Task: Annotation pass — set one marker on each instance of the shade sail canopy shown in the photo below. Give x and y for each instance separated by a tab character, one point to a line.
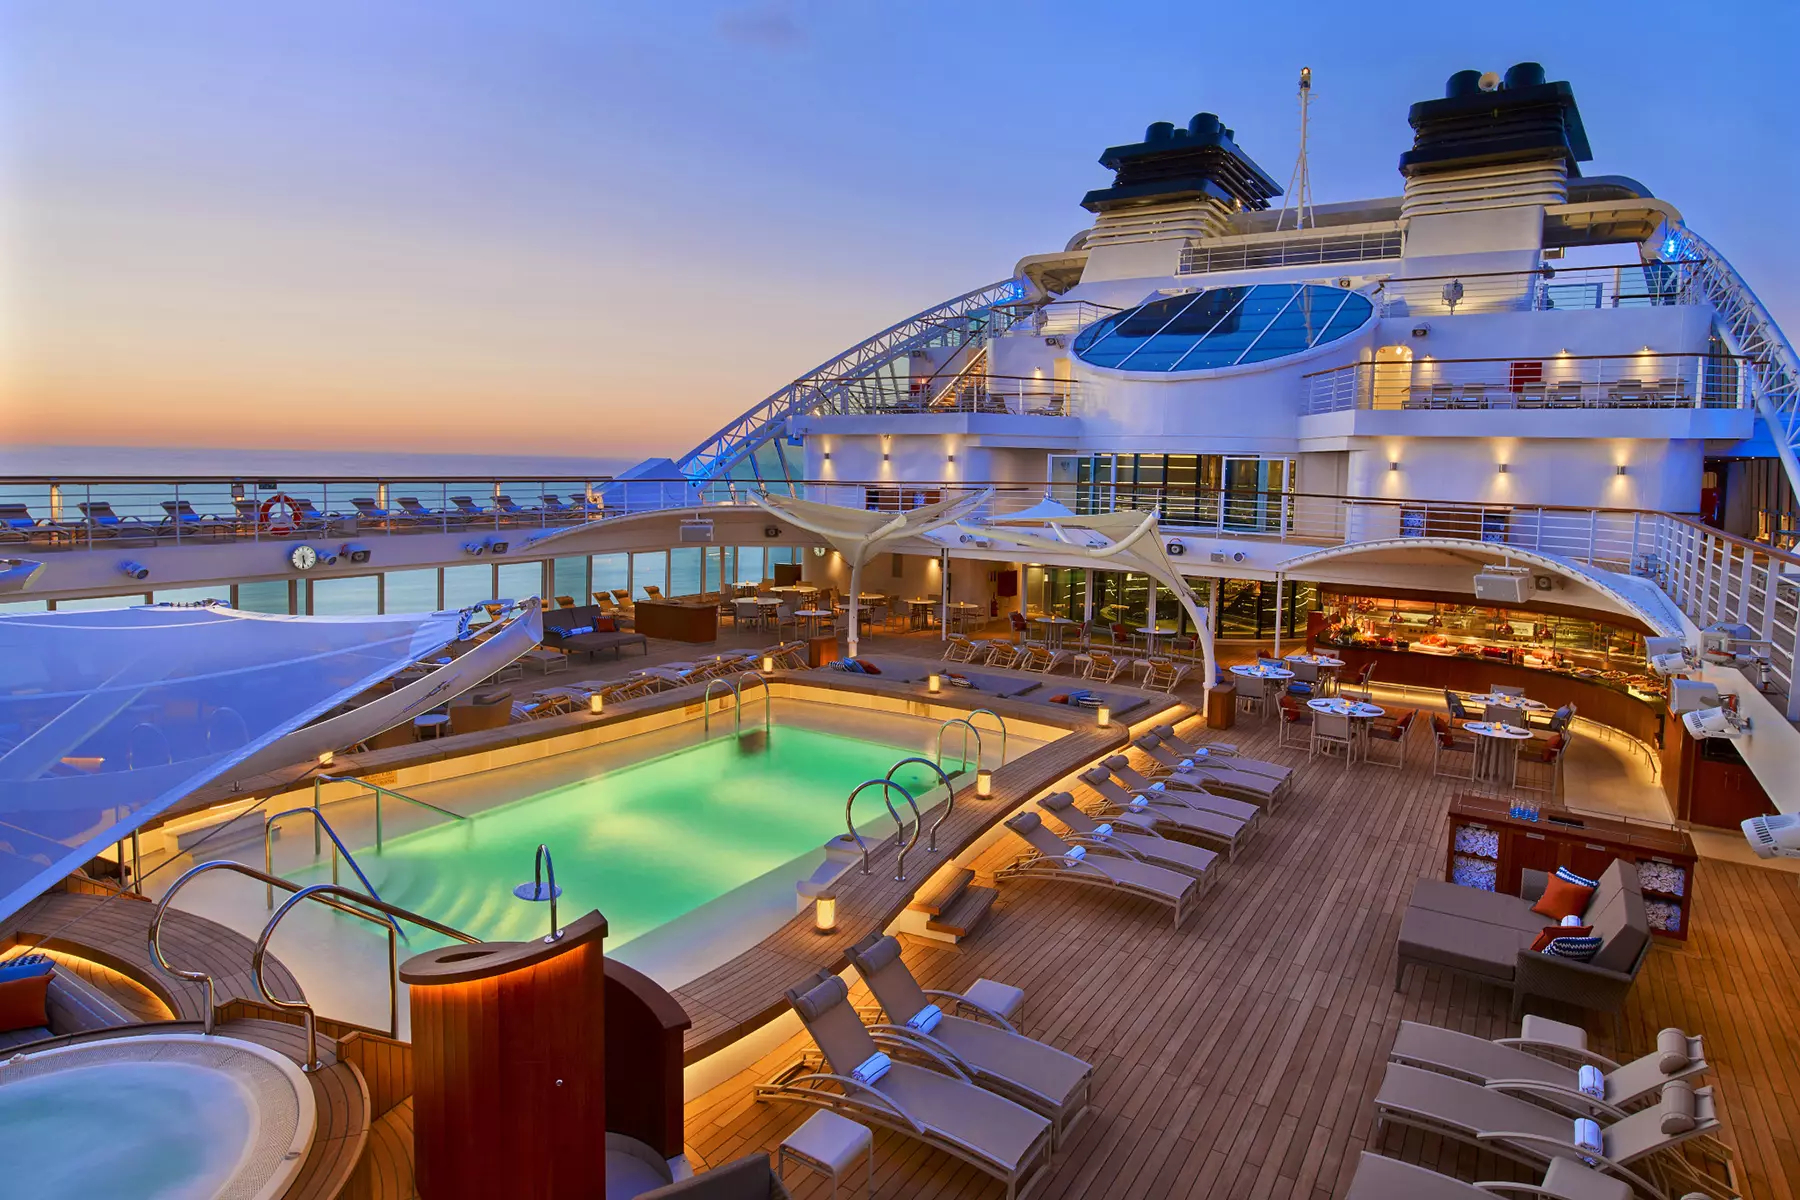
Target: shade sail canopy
109	718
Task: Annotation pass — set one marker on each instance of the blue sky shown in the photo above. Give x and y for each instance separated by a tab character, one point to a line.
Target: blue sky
602	228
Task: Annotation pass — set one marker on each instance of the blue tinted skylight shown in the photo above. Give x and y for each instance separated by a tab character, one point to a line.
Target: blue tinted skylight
1223	327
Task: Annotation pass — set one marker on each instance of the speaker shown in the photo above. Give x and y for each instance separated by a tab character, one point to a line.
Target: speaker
1500	589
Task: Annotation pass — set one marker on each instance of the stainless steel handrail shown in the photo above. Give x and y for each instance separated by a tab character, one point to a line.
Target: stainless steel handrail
949	802
338	847
768	696
736	684
319	780
899	825
968	728
325	893
1001	721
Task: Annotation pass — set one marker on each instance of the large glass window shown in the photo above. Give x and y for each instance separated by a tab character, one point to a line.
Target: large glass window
411	591
569	578
92	603
521	579
1184	490
1223	327
466	586
354	596
750	567
266	596
612	572
652	568
192	595
684	571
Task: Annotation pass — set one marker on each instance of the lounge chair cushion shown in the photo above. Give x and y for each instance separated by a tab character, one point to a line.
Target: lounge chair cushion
1473	904
1672	1046
1490	951
1379	1178
820	997
1623	927
25	966
1562	898
1552	932
22	1002
1677	1107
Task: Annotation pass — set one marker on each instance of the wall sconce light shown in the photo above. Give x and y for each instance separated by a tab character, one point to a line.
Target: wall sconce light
984	783
828	456
951	458
825	912
596	703
1103	717
934	684
1621	469
1393	465
325	759
768	663
1504	468
884	456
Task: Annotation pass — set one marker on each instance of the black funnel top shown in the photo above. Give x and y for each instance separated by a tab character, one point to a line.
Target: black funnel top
1176	164
1524	119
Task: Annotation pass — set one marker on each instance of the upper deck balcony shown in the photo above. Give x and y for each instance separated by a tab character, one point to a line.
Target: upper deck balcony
1547	289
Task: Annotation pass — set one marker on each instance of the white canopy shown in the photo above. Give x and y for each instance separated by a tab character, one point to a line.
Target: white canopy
1125	540
859	534
108	718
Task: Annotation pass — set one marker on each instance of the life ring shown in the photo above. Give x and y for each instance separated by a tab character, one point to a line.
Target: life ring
279	527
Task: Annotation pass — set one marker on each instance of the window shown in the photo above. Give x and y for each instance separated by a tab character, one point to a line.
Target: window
611	572
518	580
466	586
750	567
651	567
410	591
569	578
266	596
684	571
356	596
1223	327
192	595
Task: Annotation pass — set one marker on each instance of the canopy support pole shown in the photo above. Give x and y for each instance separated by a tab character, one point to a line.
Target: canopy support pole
856	566
1279	582
943	595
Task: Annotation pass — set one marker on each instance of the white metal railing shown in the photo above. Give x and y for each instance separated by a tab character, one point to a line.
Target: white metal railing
1290	250
1058	318
1643	285
1636	381
970	392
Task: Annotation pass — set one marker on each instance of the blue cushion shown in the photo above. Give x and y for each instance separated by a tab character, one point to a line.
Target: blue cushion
1581	949
1569	876
26	966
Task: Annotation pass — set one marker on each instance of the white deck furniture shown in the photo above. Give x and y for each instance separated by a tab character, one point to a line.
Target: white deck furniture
829	1144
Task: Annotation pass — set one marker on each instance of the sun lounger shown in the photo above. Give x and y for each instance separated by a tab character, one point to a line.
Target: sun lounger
1041	1077
1174	812
16	521
1171	758
1489	1062
103	521
1494	1119
1147	845
1204	773
449	518
1118	789
938	1105
1053	858
1216	751
1379	1178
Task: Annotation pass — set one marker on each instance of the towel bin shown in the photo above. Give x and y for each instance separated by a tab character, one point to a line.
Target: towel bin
1221	706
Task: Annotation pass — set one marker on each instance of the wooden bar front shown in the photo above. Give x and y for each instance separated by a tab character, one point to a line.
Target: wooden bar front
1483	831
1609	706
509	1066
677	620
1707	781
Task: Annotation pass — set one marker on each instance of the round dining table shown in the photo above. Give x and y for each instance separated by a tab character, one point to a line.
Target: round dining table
1317	660
1485	698
813	618
1497	753
1053	633
1273	681
1361	713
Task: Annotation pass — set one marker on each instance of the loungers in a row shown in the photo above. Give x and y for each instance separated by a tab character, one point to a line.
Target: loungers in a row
1160	674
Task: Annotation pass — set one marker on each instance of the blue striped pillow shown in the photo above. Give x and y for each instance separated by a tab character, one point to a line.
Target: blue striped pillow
1580	949
1571	877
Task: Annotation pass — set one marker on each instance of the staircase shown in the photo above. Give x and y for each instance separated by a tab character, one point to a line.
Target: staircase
953	909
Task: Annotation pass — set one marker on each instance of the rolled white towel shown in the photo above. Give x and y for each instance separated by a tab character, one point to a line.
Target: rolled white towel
871	1069
926	1019
1571	919
1591	1082
1587	1140
1074	854
1103	830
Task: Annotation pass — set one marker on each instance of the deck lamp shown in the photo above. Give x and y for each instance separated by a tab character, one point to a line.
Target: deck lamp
326	758
934	683
825	912
1621	469
768	663
1504	468
1103	716
596	703
984	783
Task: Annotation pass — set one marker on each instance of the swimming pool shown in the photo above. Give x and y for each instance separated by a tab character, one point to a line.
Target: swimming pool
650	841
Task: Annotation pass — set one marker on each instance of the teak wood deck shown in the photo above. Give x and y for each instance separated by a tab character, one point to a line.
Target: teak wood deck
1239	1056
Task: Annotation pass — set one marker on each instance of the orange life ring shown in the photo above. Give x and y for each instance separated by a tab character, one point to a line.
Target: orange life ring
265	517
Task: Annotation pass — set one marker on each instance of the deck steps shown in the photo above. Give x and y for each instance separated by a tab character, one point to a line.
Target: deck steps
954	907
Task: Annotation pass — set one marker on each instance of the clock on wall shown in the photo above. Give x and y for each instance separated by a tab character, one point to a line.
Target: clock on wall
304	558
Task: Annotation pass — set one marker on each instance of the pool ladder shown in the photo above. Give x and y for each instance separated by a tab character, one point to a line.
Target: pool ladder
345	900
888	784
737	689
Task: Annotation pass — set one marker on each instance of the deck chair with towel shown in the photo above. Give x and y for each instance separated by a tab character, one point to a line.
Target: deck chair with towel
1167	813
1621	1085
1379	1178
1039	1076
1052	858
862	1078
1145	844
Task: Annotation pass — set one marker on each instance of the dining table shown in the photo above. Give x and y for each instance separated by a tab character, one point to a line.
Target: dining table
919	610
813	617
1053	629
1271	679
1496	752
1362	717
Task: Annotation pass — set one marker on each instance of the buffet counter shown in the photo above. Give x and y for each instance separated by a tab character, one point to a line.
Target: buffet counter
1594	700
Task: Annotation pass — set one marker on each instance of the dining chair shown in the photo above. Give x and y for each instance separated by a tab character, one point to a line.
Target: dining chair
1331	733
1296	723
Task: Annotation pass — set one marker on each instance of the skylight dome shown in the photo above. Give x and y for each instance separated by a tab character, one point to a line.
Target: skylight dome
1223	327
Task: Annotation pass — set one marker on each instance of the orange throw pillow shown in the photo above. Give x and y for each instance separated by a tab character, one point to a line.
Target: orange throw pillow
22	1003
1555	931
1562	899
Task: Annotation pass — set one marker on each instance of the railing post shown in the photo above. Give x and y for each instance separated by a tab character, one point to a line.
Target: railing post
1593	532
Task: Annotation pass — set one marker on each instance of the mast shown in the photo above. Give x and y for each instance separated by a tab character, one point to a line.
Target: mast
1299	190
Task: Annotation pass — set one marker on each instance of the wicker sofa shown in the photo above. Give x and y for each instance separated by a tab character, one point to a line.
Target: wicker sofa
556	622
1488	936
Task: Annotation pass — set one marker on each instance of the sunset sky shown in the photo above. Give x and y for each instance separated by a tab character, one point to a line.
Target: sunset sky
598	228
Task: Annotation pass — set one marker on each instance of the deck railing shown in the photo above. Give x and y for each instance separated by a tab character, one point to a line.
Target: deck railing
1562	382
968	392
1643	285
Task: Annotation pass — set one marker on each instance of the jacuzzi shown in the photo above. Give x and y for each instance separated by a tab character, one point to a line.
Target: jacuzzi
177	1116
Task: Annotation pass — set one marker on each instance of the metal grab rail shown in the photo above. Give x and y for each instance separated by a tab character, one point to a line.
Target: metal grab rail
338	847
327	894
319	780
737	689
999	720
968	728
949	802
899	825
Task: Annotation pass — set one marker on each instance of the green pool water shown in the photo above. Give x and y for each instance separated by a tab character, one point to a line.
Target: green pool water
644	843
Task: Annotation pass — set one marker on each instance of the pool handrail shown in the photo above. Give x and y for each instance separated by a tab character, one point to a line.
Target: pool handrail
319	780
754	676
949	802
900	839
968	728
976	712
736	684
325	893
338	847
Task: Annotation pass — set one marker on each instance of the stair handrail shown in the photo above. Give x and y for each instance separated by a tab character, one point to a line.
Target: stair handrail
338	847
949	802
755	677
899	825
706	706
1000	720
320	780
968	728
344	900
